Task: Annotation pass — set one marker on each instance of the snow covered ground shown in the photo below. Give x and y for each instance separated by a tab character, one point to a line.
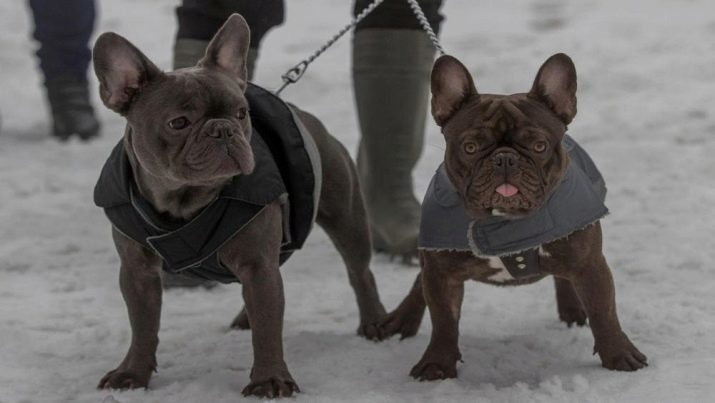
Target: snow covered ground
646	94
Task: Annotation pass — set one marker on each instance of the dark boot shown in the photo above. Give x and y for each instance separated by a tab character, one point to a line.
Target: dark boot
391	69
72	111
187	52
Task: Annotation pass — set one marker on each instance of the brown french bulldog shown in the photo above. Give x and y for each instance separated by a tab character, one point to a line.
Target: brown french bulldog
188	137
507	161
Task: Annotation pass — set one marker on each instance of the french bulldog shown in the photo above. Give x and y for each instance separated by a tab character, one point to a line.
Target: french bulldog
506	162
188	136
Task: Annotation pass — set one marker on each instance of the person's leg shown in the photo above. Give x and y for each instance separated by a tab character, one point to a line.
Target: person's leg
63	29
198	21
392	60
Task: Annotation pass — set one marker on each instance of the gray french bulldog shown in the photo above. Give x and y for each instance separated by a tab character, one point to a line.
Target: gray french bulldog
189	138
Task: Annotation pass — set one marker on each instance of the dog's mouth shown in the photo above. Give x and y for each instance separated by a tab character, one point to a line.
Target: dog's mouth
507	189
241	153
220	159
506	199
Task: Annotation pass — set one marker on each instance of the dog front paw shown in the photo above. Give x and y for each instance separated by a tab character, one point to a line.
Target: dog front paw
271	384
434	366
621	356
404	322
122	378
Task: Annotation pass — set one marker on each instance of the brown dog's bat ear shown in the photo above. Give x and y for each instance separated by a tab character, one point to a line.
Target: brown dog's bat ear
452	85
555	85
228	49
121	69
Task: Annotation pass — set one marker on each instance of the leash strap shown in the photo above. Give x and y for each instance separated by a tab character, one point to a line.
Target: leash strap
426	25
296	72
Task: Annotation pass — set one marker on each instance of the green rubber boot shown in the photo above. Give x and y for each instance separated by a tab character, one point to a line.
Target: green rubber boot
187	52
391	69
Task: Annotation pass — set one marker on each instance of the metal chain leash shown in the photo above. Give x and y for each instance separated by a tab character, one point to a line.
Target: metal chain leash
426	25
296	72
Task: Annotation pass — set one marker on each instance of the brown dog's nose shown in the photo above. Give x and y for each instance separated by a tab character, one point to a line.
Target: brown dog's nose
221	129
505	159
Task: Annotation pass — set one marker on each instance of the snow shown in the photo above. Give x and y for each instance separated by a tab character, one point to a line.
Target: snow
646	90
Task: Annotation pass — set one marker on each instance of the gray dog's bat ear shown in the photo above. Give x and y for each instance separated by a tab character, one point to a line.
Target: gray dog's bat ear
451	85
122	70
555	85
228	49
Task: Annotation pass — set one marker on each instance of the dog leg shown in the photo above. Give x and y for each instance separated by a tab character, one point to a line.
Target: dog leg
443	293
263	294
252	255
140	283
342	214
570	308
241	321
594	286
346	225
407	317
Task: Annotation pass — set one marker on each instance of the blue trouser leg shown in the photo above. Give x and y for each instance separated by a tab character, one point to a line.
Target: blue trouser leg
63	29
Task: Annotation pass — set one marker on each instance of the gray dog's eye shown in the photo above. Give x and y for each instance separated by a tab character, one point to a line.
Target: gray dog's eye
179	123
540	146
242	113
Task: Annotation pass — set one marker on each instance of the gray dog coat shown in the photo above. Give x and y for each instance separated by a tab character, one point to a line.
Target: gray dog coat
578	201
287	169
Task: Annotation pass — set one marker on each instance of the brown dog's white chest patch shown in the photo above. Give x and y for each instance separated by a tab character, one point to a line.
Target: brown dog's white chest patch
502	275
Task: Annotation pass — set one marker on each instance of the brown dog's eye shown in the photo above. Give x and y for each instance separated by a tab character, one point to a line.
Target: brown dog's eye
242	113
540	146
470	147
179	123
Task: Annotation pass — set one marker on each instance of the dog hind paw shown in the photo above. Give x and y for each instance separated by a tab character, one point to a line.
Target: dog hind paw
573	316
240	322
371	331
397	322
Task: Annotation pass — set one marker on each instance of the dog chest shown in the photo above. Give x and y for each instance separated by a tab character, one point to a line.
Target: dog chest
518	266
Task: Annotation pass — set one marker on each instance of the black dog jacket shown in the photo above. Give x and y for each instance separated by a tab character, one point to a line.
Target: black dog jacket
285	170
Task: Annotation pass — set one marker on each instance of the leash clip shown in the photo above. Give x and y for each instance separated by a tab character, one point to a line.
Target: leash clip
293	75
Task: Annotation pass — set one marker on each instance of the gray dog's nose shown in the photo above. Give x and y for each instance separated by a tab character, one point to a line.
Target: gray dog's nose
220	129
505	159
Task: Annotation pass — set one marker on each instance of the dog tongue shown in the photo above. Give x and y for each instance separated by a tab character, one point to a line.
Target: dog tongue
507	190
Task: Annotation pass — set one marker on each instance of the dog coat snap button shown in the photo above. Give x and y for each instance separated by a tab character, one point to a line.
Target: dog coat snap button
521	265
519	258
